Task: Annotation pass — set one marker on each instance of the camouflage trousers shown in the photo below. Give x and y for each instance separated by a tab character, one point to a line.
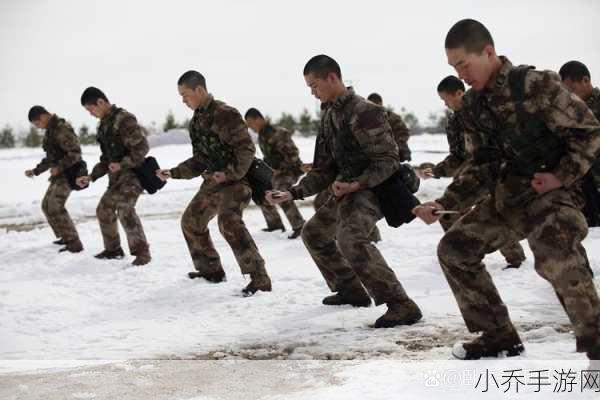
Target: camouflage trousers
282	182
226	202
53	206
513	252
321	199
337	238
118	204
554	227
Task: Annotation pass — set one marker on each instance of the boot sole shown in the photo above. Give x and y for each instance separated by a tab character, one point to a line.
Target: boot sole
198	275
391	324
513	352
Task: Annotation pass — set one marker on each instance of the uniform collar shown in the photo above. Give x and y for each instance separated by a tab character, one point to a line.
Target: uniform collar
208	104
502	78
594	97
342	100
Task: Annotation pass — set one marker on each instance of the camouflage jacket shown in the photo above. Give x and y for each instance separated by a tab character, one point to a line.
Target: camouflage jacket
499	138
355	143
400	133
593	102
122	140
220	141
279	150
61	145
456	142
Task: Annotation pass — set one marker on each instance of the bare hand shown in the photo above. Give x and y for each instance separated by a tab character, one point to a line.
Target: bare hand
220	177
29	173
342	188
306	168
276	197
426	211
54	171
83	181
425	174
163	174
114	167
543	182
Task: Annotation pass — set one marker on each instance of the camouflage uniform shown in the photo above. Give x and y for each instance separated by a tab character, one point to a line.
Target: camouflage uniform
452	166
591	182
280	152
62	151
354	144
401	134
221	142
122	141
552	131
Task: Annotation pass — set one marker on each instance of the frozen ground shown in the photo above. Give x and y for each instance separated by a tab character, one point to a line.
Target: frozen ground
157	334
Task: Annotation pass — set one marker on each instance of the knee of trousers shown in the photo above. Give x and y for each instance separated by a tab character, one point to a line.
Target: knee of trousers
351	240
229	223
55	207
312	234
45	206
454	250
104	212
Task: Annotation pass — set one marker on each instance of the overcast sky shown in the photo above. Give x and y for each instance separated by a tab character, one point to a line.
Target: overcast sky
252	52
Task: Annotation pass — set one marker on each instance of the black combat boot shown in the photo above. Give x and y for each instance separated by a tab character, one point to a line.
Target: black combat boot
213	276
73	246
259	280
273	228
505	343
111	254
142	257
59	241
296	233
402	313
356	297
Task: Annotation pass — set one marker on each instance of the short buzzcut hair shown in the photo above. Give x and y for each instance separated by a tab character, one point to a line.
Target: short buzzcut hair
470	34
375	98
450	84
253	113
36	112
91	95
192	79
321	66
574	70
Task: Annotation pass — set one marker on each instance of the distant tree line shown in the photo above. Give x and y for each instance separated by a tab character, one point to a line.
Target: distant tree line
305	123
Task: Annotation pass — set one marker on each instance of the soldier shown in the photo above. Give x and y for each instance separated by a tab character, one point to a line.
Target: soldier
222	153
399	129
62	152
451	90
538	141
280	152
576	76
355	151
124	147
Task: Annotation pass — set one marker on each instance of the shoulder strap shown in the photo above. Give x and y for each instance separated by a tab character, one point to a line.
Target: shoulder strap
516	81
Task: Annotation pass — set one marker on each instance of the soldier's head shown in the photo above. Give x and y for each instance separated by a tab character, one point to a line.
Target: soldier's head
192	88
470	50
375	98
576	76
324	78
95	102
255	119
39	117
451	90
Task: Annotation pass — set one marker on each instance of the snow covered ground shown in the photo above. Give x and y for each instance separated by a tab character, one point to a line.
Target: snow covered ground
72	326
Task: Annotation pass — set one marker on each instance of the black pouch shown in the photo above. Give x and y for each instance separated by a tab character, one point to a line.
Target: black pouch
396	198
75	171
146	173
259	177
